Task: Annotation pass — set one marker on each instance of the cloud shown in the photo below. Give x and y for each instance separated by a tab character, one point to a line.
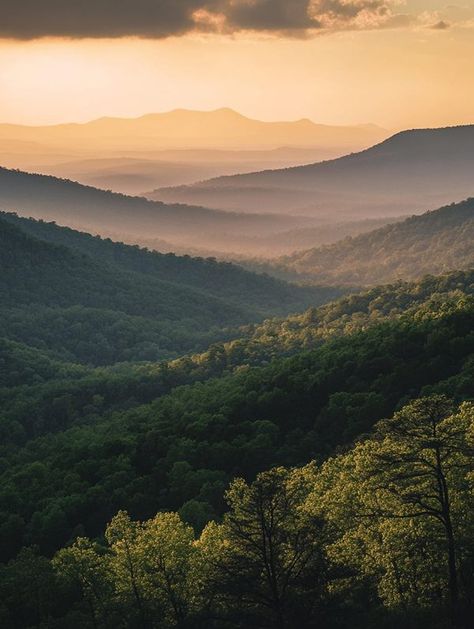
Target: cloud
440	26
449	16
27	19
30	19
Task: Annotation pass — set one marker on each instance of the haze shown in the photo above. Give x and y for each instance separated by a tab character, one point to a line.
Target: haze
412	70
158	100
236	314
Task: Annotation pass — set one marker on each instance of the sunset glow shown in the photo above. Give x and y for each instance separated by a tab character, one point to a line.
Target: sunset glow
394	77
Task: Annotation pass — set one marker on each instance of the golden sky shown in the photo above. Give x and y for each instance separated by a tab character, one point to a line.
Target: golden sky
413	68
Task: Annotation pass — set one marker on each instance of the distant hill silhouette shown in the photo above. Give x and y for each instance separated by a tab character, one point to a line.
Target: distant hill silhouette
182	128
133	155
435	242
410	171
148	170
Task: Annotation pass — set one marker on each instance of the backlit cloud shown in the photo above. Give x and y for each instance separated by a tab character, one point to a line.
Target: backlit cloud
157	19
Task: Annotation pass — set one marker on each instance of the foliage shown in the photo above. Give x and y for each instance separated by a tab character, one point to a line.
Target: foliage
400	508
265	562
435	242
113	503
188	444
84	299
361	541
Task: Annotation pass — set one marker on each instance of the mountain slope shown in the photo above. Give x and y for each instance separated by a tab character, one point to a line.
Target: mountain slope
99	301
174	148
129	385
184	448
21	366
434	242
132	175
82	207
412	169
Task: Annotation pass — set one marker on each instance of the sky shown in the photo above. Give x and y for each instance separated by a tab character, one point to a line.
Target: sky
395	63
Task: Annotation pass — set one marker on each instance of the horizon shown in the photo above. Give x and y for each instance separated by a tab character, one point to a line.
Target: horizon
178	109
400	65
237	314
225	108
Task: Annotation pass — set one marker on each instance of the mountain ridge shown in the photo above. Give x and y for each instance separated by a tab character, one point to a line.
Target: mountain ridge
185	116
93	300
43	148
435	242
86	207
411	169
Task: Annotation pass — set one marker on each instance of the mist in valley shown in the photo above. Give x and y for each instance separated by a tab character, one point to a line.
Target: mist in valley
236	342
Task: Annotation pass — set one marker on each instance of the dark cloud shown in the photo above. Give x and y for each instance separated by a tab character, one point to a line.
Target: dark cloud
28	19
268	15
440	26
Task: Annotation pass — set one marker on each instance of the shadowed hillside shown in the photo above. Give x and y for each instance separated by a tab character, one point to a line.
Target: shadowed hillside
81	206
411	170
97	301
103	451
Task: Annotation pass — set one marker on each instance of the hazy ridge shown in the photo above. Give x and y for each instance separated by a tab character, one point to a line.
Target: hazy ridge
411	171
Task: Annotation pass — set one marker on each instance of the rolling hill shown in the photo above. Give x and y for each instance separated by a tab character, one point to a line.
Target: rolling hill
147	170
173	148
96	301
113	439
411	170
435	242
85	207
80	443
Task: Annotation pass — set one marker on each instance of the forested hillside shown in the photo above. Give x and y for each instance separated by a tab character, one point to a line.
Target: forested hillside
435	242
94	301
236	354
69	475
140	494
64	394
80	444
380	536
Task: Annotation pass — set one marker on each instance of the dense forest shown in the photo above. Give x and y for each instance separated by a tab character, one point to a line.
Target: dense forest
177	449
389	521
118	499
434	242
236	355
85	299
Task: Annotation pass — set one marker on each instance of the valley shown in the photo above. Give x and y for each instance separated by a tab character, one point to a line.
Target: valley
236	315
409	172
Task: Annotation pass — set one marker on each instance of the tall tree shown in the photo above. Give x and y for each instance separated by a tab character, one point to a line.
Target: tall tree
122	534
165	548
401	502
83	564
267	560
